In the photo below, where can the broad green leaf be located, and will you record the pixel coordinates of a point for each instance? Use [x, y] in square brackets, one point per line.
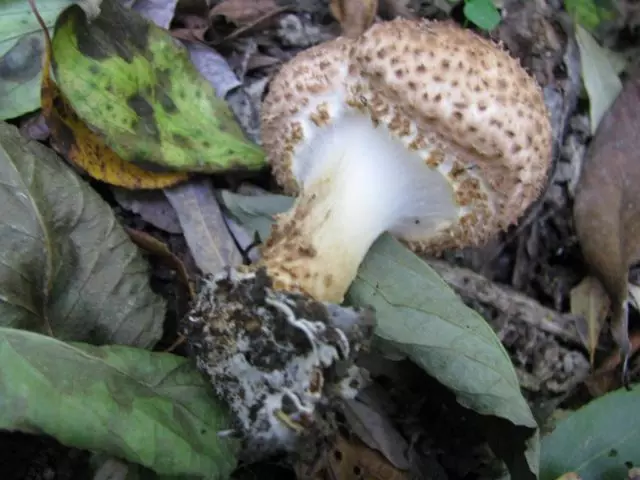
[597, 440]
[21, 49]
[599, 76]
[67, 268]
[135, 85]
[482, 13]
[153, 409]
[421, 316]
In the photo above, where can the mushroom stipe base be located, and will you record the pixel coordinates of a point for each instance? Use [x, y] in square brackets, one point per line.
[278, 359]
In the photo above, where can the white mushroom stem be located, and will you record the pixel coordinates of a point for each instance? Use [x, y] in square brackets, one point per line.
[361, 183]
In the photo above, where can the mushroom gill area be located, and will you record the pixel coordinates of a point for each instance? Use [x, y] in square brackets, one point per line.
[359, 182]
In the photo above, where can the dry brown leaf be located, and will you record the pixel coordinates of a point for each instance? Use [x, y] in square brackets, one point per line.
[354, 16]
[154, 246]
[589, 301]
[72, 139]
[604, 379]
[350, 459]
[242, 12]
[607, 204]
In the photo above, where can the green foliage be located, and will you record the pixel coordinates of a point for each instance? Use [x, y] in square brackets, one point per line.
[482, 13]
[590, 13]
[600, 440]
[154, 409]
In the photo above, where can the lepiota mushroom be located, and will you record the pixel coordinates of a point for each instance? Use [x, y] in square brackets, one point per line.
[422, 129]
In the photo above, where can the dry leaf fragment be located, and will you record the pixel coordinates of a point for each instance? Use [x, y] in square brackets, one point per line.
[203, 225]
[242, 12]
[355, 16]
[72, 139]
[607, 205]
[590, 302]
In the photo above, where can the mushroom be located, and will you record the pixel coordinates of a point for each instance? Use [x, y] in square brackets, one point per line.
[420, 128]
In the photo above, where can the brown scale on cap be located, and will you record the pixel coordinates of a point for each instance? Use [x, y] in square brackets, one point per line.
[312, 72]
[458, 101]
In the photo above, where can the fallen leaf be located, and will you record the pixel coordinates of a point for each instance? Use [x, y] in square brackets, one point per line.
[355, 461]
[132, 83]
[21, 50]
[203, 225]
[242, 12]
[607, 204]
[71, 138]
[595, 441]
[589, 300]
[214, 68]
[355, 16]
[418, 314]
[349, 459]
[605, 379]
[150, 408]
[599, 76]
[67, 268]
[151, 205]
[159, 12]
[156, 247]
[376, 431]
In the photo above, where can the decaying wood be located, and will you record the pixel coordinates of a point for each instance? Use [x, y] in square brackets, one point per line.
[515, 305]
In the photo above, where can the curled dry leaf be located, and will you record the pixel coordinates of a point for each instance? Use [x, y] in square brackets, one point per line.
[355, 16]
[72, 139]
[589, 301]
[607, 204]
[67, 268]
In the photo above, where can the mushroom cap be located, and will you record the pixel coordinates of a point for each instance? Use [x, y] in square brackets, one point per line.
[297, 104]
[460, 102]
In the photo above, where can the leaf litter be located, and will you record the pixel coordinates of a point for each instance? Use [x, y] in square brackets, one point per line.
[542, 258]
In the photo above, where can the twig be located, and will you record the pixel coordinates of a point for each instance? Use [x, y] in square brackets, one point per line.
[514, 304]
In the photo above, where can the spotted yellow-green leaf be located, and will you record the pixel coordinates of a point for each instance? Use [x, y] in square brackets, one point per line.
[134, 84]
[77, 143]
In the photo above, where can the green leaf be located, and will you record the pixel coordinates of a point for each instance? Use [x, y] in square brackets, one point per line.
[421, 316]
[135, 85]
[590, 13]
[67, 268]
[21, 49]
[154, 409]
[597, 440]
[599, 76]
[482, 13]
